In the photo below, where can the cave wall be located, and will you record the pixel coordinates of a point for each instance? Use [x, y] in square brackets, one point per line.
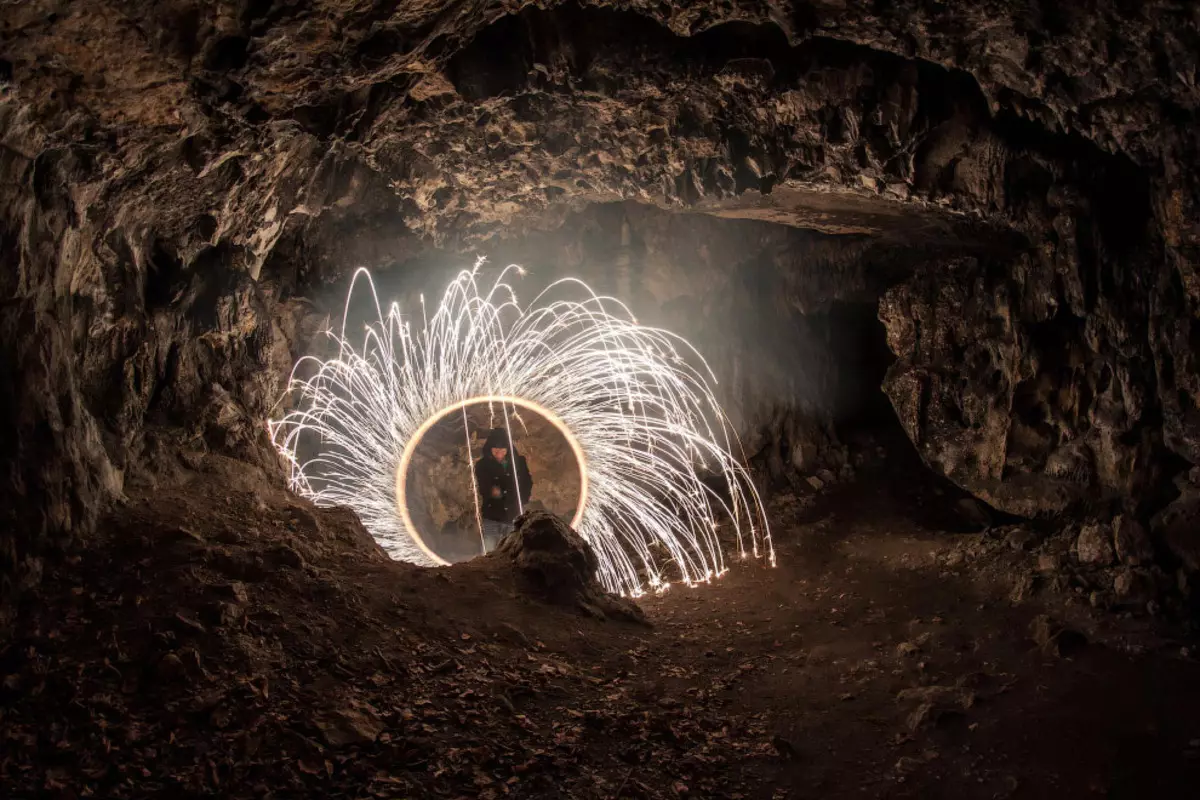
[756, 299]
[179, 177]
[129, 321]
[1032, 380]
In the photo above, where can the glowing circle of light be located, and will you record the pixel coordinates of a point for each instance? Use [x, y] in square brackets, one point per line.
[406, 458]
[636, 403]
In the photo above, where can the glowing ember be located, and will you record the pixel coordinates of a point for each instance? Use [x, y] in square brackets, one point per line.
[641, 416]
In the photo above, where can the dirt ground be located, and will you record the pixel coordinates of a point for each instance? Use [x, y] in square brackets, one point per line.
[226, 639]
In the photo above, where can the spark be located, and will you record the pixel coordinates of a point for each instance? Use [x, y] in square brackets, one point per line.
[636, 403]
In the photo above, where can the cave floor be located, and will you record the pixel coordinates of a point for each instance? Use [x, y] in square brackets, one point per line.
[883, 673]
[223, 638]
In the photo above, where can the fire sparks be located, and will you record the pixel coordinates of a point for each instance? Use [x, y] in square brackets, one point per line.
[635, 402]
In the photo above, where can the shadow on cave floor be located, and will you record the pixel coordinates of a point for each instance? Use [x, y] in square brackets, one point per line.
[224, 638]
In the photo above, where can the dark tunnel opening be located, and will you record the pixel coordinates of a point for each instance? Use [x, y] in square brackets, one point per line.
[858, 340]
[866, 422]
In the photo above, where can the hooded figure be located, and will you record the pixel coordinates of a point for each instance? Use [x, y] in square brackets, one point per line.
[504, 484]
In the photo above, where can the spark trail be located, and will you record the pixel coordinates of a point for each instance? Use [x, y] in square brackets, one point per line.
[636, 400]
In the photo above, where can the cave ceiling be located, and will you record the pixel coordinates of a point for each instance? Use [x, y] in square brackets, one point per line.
[457, 121]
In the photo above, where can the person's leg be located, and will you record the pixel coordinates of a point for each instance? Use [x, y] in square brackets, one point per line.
[492, 532]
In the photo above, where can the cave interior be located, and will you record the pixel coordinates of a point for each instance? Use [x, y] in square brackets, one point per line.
[941, 259]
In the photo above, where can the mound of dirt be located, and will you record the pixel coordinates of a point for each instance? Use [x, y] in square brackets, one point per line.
[223, 638]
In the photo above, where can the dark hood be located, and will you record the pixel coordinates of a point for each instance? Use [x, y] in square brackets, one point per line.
[498, 437]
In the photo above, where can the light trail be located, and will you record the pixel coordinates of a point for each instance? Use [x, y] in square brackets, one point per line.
[504, 401]
[635, 402]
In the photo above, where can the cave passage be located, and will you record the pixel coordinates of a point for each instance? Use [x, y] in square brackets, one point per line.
[874, 336]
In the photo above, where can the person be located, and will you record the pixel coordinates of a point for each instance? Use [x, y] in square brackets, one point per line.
[504, 484]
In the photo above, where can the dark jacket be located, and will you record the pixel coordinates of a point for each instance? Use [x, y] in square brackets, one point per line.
[490, 473]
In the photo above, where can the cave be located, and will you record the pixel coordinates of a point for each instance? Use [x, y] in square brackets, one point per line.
[930, 267]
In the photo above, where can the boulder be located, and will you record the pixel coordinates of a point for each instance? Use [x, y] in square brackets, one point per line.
[1094, 545]
[1178, 527]
[1135, 587]
[559, 565]
[551, 554]
[1049, 562]
[981, 387]
[1131, 541]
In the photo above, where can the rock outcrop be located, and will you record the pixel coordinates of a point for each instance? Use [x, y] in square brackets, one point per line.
[1178, 525]
[557, 564]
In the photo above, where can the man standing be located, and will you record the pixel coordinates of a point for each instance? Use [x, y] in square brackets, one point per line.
[504, 483]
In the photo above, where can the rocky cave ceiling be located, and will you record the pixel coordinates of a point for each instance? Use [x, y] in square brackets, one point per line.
[1012, 182]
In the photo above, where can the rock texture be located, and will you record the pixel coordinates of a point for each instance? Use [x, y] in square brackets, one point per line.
[1178, 525]
[558, 565]
[1131, 542]
[180, 179]
[1094, 545]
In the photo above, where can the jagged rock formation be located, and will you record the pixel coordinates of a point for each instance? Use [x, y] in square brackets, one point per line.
[1016, 180]
[557, 564]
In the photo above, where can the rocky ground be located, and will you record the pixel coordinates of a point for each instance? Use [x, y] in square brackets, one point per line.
[224, 638]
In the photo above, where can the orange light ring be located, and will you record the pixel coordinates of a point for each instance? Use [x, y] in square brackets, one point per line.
[410, 448]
